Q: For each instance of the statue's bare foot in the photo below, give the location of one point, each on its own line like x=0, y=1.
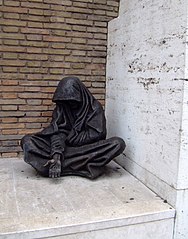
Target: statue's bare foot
x=55, y=169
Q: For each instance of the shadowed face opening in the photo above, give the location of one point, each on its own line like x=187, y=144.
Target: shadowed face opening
x=73, y=104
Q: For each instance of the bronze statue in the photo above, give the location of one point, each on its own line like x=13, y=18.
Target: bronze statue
x=75, y=141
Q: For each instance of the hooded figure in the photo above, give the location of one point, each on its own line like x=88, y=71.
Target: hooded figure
x=75, y=141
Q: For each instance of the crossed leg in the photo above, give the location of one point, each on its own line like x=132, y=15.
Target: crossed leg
x=87, y=160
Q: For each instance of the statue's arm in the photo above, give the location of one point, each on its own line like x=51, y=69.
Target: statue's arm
x=57, y=144
x=57, y=149
x=86, y=136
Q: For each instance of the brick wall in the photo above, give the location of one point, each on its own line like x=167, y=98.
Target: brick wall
x=42, y=41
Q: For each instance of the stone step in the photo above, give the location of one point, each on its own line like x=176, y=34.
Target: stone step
x=115, y=205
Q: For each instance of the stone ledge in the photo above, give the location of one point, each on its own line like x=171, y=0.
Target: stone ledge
x=36, y=207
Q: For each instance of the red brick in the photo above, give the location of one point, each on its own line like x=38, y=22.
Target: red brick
x=34, y=102
x=11, y=15
x=35, y=24
x=34, y=44
x=59, y=2
x=11, y=42
x=12, y=49
x=34, y=37
x=9, y=120
x=12, y=63
x=35, y=31
x=9, y=107
x=36, y=11
x=13, y=22
x=56, y=39
x=10, y=29
x=57, y=51
x=10, y=55
x=12, y=126
x=34, y=18
x=9, y=83
x=33, y=120
x=15, y=36
x=13, y=9
x=11, y=3
x=8, y=95
x=79, y=22
x=35, y=57
x=12, y=102
x=34, y=126
x=9, y=155
x=10, y=69
x=27, y=131
x=35, y=5
x=32, y=96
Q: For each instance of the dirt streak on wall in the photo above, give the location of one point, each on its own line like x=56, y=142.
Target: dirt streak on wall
x=40, y=42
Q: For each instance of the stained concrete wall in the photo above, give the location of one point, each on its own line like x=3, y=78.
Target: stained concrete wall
x=147, y=96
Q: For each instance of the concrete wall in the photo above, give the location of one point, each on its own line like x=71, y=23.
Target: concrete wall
x=147, y=96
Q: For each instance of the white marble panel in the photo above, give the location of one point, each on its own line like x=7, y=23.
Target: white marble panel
x=145, y=72
x=147, y=95
x=181, y=228
x=43, y=207
x=183, y=158
x=141, y=231
x=166, y=191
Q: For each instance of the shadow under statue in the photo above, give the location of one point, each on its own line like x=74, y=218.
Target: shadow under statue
x=75, y=141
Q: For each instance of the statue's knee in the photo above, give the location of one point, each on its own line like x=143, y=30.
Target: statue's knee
x=26, y=140
x=119, y=142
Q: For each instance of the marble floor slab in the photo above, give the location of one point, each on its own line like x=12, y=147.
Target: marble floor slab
x=35, y=207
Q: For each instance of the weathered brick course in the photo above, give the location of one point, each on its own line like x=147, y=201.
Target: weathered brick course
x=42, y=41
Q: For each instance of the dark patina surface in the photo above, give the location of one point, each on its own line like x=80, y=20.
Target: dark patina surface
x=75, y=141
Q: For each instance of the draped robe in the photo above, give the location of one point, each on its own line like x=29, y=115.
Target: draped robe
x=77, y=132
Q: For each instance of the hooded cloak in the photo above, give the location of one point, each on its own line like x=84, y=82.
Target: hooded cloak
x=77, y=131
x=84, y=124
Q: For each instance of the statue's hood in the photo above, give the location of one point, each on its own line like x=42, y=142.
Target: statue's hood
x=69, y=88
